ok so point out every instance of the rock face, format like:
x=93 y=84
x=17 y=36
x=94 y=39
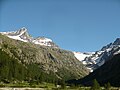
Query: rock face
x=96 y=59
x=24 y=36
x=47 y=58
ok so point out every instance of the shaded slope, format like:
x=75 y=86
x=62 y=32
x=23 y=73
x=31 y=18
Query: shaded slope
x=109 y=72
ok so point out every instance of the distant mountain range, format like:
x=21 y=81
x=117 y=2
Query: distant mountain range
x=96 y=59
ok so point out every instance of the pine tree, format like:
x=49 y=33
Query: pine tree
x=62 y=83
x=95 y=85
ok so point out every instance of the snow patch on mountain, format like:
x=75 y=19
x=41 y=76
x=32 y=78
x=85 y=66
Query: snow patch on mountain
x=17 y=38
x=118 y=52
x=43 y=41
x=80 y=56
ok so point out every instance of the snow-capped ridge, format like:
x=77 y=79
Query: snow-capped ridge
x=23 y=35
x=99 y=57
x=44 y=41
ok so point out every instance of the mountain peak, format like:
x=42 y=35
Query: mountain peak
x=23 y=35
x=23 y=29
x=117 y=41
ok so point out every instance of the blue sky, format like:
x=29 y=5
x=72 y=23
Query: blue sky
x=77 y=25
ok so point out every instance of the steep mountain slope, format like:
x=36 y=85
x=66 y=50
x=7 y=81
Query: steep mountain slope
x=108 y=72
x=48 y=59
x=98 y=58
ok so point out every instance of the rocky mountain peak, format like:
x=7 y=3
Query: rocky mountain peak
x=22 y=30
x=23 y=35
x=117 y=41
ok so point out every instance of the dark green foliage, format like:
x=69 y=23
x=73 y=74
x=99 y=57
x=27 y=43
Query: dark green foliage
x=11 y=69
x=95 y=85
x=38 y=75
x=107 y=86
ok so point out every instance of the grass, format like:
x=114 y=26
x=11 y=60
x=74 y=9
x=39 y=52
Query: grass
x=25 y=84
x=43 y=86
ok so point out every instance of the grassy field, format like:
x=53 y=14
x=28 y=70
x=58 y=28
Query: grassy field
x=44 y=86
x=28 y=88
x=7 y=88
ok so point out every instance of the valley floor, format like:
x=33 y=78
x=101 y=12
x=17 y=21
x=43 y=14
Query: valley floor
x=80 y=88
x=7 y=88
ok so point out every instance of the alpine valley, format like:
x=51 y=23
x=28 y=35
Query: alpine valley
x=25 y=58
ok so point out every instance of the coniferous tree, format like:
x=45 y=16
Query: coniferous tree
x=95 y=85
x=62 y=83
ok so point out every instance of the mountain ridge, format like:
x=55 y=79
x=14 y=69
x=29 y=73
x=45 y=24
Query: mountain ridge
x=23 y=35
x=98 y=58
